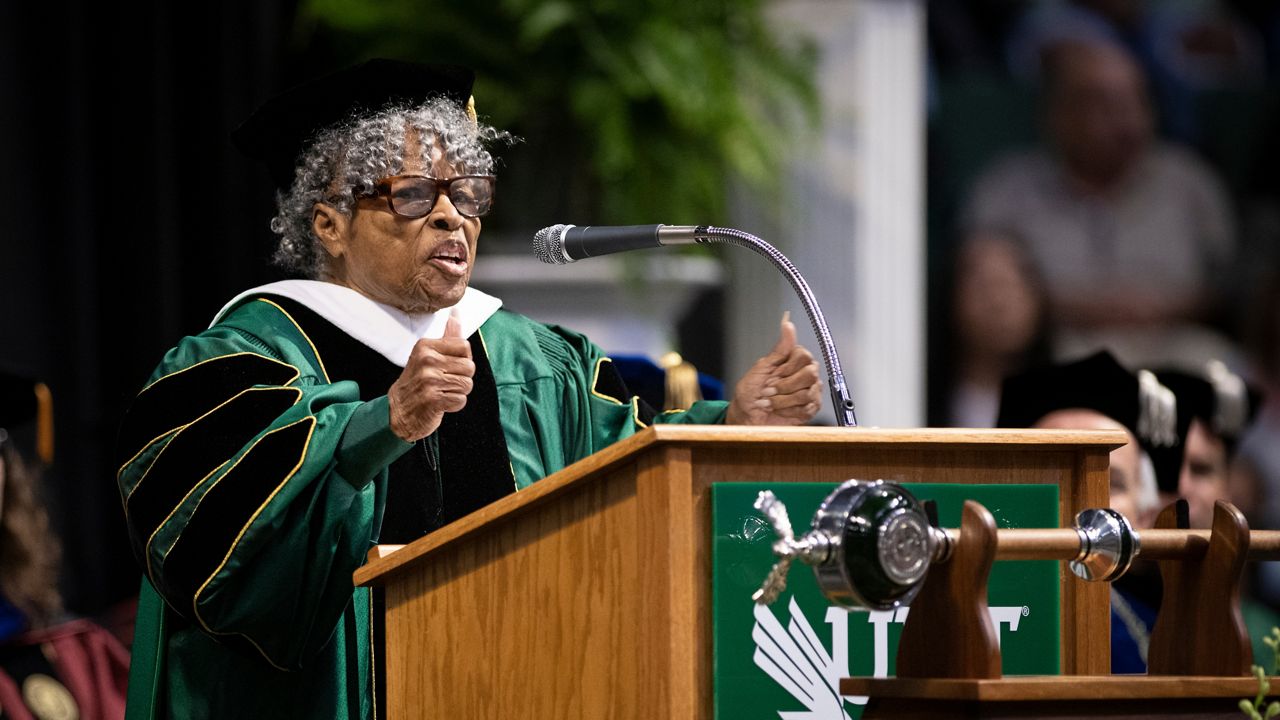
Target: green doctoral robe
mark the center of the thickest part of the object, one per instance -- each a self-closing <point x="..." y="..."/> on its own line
<point x="255" y="479"/>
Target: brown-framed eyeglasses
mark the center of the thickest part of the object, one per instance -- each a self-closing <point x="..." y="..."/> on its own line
<point x="414" y="196"/>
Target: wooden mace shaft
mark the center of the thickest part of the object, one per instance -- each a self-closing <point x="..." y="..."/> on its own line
<point x="1154" y="544"/>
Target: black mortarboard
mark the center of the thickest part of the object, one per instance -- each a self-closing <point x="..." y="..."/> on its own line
<point x="23" y="401"/>
<point x="1218" y="396"/>
<point x="1100" y="383"/>
<point x="280" y="130"/>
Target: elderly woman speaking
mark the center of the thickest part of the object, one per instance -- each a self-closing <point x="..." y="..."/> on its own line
<point x="375" y="402"/>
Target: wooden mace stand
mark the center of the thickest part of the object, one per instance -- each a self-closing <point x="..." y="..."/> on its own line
<point x="1199" y="660"/>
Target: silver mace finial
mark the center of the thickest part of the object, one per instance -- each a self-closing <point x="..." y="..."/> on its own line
<point x="812" y="548"/>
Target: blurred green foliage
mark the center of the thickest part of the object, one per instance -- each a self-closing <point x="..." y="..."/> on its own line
<point x="629" y="111"/>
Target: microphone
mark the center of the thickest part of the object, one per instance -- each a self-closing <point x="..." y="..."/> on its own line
<point x="561" y="244"/>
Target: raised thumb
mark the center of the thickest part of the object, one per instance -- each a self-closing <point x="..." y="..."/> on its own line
<point x="786" y="338"/>
<point x="452" y="327"/>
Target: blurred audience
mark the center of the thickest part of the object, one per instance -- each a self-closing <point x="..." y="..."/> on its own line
<point x="998" y="324"/>
<point x="1258" y="262"/>
<point x="1185" y="48"/>
<point x="1216" y="406"/>
<point x="51" y="665"/>
<point x="1131" y="233"/>
<point x="971" y="34"/>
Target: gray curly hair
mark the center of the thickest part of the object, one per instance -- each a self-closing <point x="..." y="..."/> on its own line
<point x="346" y="160"/>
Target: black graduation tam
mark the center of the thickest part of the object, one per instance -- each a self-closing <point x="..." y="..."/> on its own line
<point x="1218" y="397"/>
<point x="282" y="128"/>
<point x="1100" y="383"/>
<point x="23" y="401"/>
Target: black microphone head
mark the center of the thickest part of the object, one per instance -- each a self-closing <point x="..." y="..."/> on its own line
<point x="548" y="245"/>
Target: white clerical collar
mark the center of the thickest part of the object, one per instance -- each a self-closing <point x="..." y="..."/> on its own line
<point x="389" y="331"/>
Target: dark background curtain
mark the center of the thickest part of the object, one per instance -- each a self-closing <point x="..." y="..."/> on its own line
<point x="129" y="219"/>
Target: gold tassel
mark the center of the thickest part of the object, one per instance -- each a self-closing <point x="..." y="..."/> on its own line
<point x="682" y="389"/>
<point x="44" y="423"/>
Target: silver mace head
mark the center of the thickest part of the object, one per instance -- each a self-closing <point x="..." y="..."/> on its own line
<point x="876" y="520"/>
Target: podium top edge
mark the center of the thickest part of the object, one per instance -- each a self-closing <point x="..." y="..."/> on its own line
<point x="714" y="434"/>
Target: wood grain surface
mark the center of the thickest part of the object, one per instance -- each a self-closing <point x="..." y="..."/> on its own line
<point x="1199" y="630"/>
<point x="1056" y="687"/>
<point x="1131" y="697"/>
<point x="587" y="595"/>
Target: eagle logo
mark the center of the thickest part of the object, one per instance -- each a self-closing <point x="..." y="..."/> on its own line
<point x="798" y="661"/>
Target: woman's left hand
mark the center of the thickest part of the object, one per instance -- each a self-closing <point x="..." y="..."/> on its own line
<point x="782" y="388"/>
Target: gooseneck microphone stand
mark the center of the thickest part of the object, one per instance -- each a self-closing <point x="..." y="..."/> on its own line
<point x="841" y="401"/>
<point x="560" y="244"/>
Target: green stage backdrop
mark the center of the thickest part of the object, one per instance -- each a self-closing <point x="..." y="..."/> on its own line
<point x="785" y="660"/>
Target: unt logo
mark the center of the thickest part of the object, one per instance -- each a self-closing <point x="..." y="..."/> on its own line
<point x="798" y="661"/>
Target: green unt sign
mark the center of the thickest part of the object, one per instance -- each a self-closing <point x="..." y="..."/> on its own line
<point x="785" y="660"/>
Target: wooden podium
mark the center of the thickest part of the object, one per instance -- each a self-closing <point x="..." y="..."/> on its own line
<point x="587" y="595"/>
